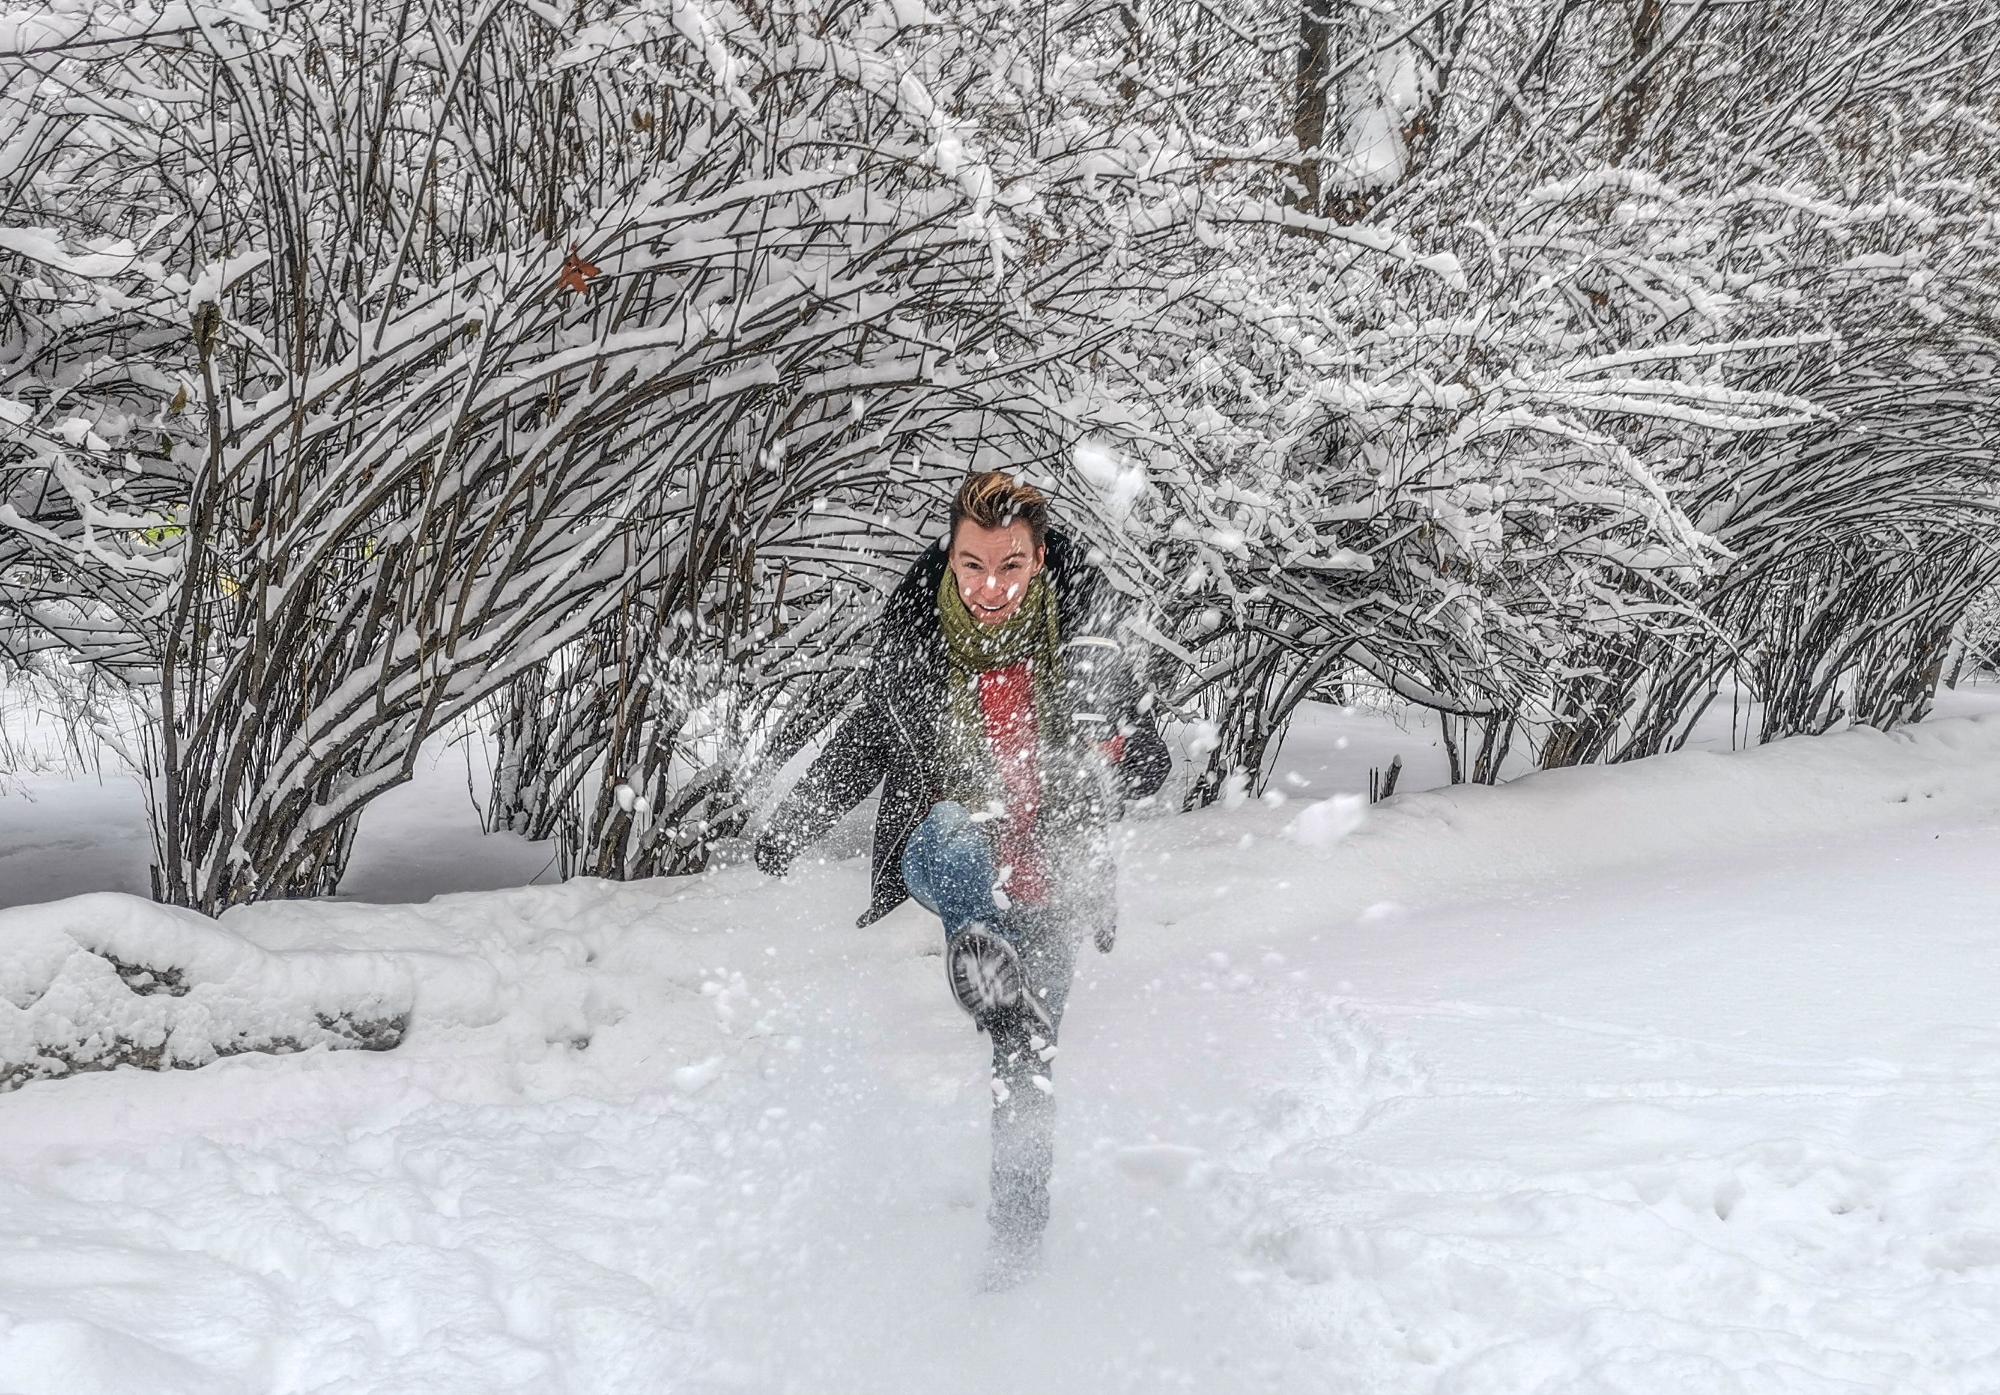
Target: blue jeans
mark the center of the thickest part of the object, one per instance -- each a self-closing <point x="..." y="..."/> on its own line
<point x="949" y="867"/>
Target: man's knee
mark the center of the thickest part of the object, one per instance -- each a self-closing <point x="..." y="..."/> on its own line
<point x="949" y="846"/>
<point x="941" y="837"/>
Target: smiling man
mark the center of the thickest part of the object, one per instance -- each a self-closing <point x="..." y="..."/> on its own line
<point x="1001" y="718"/>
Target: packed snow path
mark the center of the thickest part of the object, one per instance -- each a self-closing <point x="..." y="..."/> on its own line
<point x="1677" y="1078"/>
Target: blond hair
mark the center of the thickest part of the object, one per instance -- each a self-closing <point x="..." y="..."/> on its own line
<point x="994" y="499"/>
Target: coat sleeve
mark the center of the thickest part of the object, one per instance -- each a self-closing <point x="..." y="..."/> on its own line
<point x="858" y="757"/>
<point x="1104" y="689"/>
<point x="840" y="777"/>
<point x="1147" y="761"/>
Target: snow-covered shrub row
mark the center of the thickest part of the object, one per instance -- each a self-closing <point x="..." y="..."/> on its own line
<point x="368" y="365"/>
<point x="102" y="981"/>
<point x="1713" y="334"/>
<point x="377" y="357"/>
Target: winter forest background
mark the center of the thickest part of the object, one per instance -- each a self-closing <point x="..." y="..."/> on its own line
<point x="582" y="373"/>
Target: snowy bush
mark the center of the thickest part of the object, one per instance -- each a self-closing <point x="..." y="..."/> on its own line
<point x="1605" y="334"/>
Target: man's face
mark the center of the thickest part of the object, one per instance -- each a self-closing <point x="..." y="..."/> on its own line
<point x="993" y="567"/>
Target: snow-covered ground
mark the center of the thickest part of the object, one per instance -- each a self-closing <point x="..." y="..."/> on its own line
<point x="1678" y="1077"/>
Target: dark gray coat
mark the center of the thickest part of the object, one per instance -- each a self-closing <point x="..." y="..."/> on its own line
<point x="892" y="738"/>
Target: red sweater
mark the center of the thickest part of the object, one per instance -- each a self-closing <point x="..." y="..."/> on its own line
<point x="1007" y="698"/>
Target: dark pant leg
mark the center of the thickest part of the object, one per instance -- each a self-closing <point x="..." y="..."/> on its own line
<point x="1024" y="1111"/>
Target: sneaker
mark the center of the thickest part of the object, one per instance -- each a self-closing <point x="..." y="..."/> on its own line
<point x="984" y="972"/>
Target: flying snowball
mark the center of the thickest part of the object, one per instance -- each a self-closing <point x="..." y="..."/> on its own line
<point x="1118" y="485"/>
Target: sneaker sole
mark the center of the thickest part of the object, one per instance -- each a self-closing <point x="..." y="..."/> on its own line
<point x="984" y="973"/>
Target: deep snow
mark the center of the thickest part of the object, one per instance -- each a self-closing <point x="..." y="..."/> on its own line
<point x="1675" y="1078"/>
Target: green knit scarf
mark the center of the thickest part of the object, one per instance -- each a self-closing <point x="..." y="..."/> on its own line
<point x="973" y="648"/>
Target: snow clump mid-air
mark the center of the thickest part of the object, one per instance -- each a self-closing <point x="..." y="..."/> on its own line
<point x="1327" y="821"/>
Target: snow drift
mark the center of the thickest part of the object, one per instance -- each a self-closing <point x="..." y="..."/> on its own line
<point x="108" y="980"/>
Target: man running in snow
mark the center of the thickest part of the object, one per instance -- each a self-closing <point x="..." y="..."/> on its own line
<point x="1004" y="725"/>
